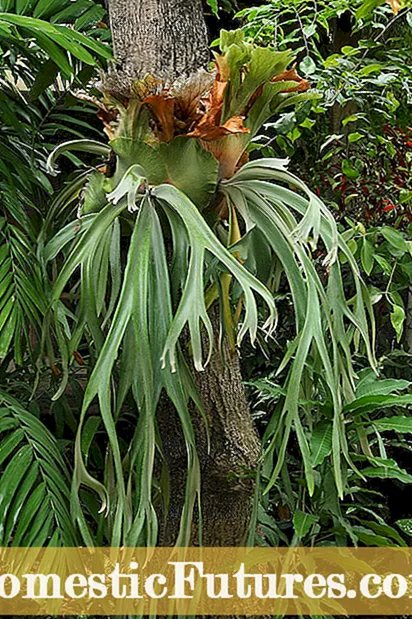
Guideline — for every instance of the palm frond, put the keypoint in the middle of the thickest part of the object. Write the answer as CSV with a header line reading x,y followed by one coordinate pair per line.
x,y
42,24
35,54
22,298
34,482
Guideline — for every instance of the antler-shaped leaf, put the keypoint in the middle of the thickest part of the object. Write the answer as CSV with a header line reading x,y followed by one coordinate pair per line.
x,y
320,310
192,308
84,145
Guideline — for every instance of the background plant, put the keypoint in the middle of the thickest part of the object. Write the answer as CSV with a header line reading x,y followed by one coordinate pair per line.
x,y
41,62
353,56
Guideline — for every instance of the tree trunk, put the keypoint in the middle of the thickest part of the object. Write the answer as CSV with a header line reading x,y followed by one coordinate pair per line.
x,y
167,38
164,38
227,486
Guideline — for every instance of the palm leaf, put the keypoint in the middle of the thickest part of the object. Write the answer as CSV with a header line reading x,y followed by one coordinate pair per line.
x,y
27,127
34,482
22,298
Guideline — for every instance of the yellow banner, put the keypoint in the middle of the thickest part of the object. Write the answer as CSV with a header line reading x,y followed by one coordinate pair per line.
x,y
206,581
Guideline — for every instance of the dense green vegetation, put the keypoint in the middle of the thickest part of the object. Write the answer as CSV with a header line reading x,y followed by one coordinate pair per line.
x,y
353,146
312,264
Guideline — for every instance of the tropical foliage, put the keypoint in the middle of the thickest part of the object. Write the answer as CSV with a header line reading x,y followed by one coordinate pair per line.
x,y
244,210
35,54
354,56
115,244
41,62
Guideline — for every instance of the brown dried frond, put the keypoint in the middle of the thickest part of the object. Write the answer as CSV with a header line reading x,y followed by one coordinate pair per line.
x,y
222,67
189,92
209,127
149,85
122,86
163,108
109,119
210,132
291,75
395,6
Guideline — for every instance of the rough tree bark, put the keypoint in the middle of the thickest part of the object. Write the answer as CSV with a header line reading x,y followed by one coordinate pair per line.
x,y
226,485
168,38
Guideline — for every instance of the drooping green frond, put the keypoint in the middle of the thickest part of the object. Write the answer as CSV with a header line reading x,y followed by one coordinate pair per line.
x,y
142,331
192,308
82,145
34,482
326,323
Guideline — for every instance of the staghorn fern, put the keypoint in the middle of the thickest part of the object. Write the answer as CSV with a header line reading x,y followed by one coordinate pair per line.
x,y
183,184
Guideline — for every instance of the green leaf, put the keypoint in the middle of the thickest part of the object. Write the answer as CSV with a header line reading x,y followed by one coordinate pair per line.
x,y
369,385
352,118
24,6
374,402
394,238
388,473
307,66
94,196
198,180
6,5
279,206
54,51
405,194
303,522
263,64
183,162
397,319
44,78
70,11
66,38
91,427
34,485
321,442
89,236
383,263
397,424
93,16
214,6
367,7
386,531
83,145
192,308
45,8
370,538
349,169
101,50
355,137
367,253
